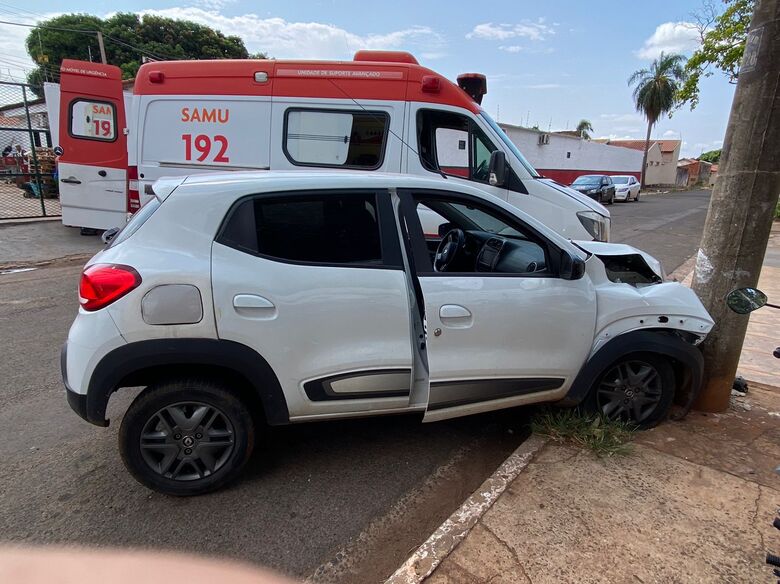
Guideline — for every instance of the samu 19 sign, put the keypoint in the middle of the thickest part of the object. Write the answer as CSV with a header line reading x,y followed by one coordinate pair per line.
x,y
92,119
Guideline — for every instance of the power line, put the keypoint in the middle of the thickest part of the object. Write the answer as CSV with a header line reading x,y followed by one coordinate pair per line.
x,y
91,32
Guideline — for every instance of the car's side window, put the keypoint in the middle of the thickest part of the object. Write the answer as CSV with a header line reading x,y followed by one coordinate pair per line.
x,y
482,239
326,228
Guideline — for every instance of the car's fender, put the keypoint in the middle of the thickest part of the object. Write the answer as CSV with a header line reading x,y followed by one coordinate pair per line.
x,y
145,362
660,342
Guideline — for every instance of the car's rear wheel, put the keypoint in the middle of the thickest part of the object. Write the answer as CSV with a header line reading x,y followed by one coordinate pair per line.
x,y
637,389
186,437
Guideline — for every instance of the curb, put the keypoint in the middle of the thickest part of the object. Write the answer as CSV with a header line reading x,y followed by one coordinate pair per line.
x,y
441,542
25,221
683,270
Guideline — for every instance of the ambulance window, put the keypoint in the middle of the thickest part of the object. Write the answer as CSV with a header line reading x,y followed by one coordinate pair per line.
x,y
452,144
342,138
92,120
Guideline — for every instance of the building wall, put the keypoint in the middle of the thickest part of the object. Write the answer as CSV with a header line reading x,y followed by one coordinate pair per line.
x,y
663,170
565,158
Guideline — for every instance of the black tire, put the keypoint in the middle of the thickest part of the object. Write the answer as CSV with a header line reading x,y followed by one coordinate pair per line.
x,y
212,421
618,397
636,199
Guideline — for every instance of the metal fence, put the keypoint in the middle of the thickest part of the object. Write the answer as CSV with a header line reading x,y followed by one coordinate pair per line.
x,y
28,181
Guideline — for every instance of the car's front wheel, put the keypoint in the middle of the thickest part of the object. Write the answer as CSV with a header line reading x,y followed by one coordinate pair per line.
x,y
186,437
637,389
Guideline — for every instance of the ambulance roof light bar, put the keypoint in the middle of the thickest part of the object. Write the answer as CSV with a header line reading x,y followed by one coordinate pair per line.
x,y
474,84
386,57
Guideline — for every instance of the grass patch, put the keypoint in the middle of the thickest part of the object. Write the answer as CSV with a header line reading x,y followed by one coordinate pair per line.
x,y
600,435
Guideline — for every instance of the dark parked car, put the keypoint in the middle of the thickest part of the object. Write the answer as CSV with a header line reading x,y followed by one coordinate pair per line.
x,y
596,186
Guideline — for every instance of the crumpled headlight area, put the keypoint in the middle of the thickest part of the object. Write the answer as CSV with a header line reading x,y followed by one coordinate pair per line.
x,y
629,269
596,224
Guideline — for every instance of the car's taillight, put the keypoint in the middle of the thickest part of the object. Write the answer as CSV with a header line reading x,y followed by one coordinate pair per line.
x,y
133,195
102,284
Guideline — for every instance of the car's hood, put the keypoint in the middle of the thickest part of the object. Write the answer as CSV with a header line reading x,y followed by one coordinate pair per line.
x,y
602,249
575,194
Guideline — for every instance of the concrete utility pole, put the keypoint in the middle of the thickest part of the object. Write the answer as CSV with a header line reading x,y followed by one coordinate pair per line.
x,y
743,202
102,48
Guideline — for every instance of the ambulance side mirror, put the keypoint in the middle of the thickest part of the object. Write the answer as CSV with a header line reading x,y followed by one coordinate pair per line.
x,y
497,169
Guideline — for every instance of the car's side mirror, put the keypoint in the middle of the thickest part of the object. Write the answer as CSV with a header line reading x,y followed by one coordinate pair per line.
x,y
497,169
745,300
109,234
572,266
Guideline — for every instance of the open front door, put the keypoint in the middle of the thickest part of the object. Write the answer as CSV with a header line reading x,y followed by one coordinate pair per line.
x,y
93,164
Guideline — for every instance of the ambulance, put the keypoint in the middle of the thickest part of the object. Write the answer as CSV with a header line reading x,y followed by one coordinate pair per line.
x,y
382,111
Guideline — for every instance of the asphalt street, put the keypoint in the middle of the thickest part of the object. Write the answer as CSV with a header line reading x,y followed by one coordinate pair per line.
x,y
342,501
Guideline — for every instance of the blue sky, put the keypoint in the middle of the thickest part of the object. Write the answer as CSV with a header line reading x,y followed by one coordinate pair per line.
x,y
548,63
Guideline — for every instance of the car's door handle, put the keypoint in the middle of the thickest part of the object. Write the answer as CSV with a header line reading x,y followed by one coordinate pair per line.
x,y
455,316
254,306
251,301
71,180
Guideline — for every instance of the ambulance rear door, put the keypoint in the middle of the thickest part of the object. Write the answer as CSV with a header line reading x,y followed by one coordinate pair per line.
x,y
93,163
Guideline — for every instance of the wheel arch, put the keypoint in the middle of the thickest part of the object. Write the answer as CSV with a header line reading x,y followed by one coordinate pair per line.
x,y
151,361
685,358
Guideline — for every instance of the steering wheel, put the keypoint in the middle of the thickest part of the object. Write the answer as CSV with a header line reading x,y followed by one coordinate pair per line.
x,y
448,249
481,172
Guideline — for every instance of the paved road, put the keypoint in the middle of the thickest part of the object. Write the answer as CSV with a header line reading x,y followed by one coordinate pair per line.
x,y
347,500
667,226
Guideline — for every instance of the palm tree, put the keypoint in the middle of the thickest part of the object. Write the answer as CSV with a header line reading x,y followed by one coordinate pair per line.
x,y
584,128
655,90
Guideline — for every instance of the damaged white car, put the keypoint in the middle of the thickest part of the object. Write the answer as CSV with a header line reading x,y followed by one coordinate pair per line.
x,y
272,298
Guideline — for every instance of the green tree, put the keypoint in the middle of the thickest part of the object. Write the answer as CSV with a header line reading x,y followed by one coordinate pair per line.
x,y
584,128
722,44
712,156
128,40
655,91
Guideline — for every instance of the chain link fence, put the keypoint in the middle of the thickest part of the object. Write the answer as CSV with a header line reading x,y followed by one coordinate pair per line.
x,y
28,181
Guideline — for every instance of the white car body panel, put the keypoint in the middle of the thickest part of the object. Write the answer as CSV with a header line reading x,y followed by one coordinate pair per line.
x,y
628,191
91,337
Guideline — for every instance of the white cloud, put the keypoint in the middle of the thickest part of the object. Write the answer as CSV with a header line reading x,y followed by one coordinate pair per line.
x,y
510,48
544,86
671,134
670,37
213,4
306,40
618,118
535,31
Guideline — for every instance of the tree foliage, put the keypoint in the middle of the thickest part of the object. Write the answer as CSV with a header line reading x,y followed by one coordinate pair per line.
x,y
723,39
655,91
584,128
128,40
712,156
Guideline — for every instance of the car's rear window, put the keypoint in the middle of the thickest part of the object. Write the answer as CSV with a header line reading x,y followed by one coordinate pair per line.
x,y
135,223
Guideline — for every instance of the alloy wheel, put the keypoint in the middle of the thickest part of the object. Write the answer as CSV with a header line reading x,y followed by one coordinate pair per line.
x,y
187,441
630,391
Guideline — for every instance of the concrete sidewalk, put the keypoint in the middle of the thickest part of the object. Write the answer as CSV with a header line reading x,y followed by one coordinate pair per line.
x,y
37,242
694,502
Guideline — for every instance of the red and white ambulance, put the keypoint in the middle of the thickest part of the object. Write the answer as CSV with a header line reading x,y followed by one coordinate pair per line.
x,y
382,111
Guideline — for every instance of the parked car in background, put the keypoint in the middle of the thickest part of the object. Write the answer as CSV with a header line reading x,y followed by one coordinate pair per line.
x,y
626,187
597,186
277,297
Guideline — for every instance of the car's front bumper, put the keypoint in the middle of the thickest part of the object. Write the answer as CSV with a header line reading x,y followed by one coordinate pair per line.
x,y
621,195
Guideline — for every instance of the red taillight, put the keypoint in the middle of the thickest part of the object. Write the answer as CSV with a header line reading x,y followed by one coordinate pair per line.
x,y
156,76
133,195
102,284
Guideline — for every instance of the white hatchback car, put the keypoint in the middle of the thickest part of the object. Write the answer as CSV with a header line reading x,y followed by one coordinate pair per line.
x,y
626,187
269,298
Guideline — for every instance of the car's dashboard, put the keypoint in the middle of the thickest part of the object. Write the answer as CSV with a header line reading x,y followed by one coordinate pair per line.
x,y
489,252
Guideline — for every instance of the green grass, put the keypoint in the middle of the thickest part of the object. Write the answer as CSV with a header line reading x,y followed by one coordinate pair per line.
x,y
777,210
601,436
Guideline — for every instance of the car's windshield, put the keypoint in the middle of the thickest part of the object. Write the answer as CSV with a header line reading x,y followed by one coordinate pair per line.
x,y
508,143
620,180
588,179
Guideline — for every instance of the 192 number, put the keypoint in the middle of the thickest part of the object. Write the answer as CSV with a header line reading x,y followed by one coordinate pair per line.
x,y
102,128
203,145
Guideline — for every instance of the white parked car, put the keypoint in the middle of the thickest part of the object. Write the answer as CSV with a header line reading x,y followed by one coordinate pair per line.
x,y
626,187
246,299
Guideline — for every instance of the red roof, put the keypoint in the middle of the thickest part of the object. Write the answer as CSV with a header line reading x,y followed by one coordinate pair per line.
x,y
664,145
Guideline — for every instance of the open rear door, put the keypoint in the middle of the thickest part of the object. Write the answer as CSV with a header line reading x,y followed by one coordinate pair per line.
x,y
93,163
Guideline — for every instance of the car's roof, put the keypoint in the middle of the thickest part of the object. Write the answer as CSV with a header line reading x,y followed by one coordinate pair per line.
x,y
273,180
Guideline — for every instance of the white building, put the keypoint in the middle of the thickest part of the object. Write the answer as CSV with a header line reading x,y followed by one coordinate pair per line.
x,y
564,157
